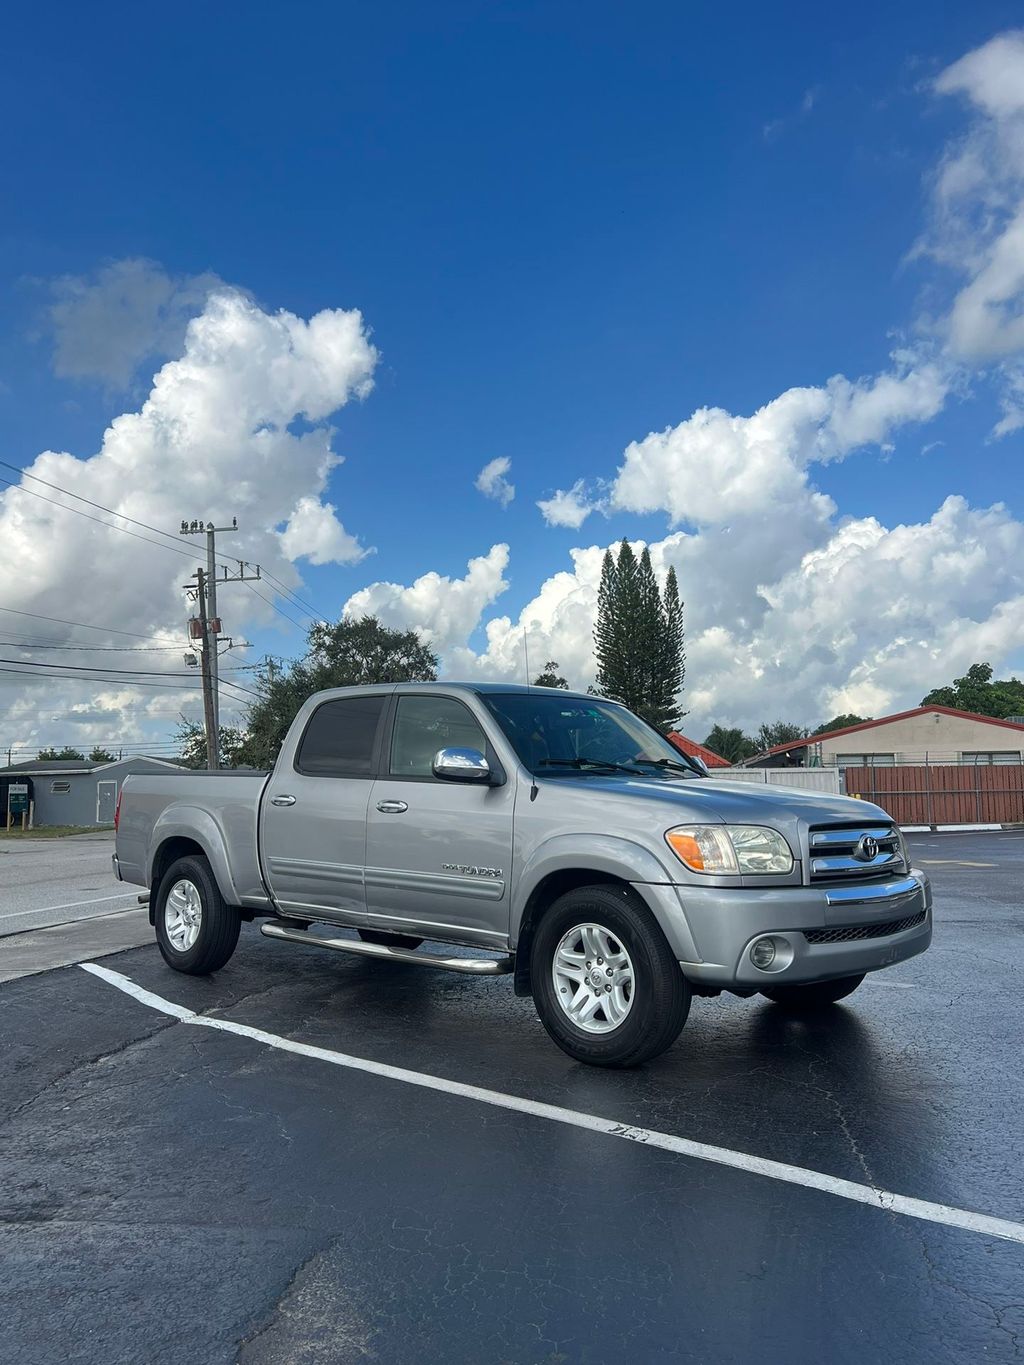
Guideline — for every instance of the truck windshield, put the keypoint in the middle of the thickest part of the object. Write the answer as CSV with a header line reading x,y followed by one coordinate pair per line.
x,y
553,733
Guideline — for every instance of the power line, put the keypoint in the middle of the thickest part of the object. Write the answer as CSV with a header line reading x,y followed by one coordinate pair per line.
x,y
99,507
146,526
99,520
82,625
279,610
24,642
99,668
112,682
305,606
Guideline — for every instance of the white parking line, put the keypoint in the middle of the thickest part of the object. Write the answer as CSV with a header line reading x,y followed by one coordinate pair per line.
x,y
649,1137
69,905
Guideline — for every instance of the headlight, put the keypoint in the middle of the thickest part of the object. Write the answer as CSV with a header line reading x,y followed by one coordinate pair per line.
x,y
732,849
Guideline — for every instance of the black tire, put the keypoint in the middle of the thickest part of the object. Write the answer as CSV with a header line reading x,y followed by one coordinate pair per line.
x,y
219,924
818,995
387,940
660,995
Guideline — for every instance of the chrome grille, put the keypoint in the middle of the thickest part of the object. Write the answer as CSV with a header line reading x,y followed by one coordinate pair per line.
x,y
837,852
848,935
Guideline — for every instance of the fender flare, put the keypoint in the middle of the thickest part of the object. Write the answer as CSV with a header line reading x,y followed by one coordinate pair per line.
x,y
614,856
196,824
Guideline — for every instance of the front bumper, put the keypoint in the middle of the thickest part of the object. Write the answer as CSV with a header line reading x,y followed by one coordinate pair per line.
x,y
725,922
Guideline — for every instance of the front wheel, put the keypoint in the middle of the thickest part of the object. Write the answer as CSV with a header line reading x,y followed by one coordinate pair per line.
x,y
195,931
818,995
606,985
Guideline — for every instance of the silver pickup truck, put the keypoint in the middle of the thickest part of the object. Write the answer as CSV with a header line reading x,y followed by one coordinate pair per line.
x,y
554,832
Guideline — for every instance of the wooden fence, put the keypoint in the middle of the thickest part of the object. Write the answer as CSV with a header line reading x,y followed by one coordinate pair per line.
x,y
943,794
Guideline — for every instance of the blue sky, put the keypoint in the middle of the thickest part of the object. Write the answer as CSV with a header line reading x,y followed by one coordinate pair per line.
x,y
565,226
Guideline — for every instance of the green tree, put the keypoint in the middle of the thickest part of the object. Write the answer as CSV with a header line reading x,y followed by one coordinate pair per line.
x,y
348,654
191,737
977,691
55,756
673,663
731,744
638,638
840,723
781,732
550,677
99,755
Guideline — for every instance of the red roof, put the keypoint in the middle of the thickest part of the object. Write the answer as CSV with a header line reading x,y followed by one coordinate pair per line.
x,y
887,720
695,750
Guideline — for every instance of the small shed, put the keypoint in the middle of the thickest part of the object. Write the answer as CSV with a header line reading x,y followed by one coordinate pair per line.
x,y
75,791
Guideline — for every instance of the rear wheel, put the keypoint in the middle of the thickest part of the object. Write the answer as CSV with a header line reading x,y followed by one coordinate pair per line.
x,y
195,930
606,985
387,940
818,995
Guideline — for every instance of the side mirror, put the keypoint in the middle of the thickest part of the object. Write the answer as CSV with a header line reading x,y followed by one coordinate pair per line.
x,y
696,758
461,765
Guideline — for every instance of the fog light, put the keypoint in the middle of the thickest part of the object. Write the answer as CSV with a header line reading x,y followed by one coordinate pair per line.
x,y
762,953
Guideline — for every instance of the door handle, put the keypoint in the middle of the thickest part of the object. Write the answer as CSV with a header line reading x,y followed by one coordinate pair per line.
x,y
392,807
282,800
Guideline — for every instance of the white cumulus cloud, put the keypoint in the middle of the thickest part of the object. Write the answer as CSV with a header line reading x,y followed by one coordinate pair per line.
x,y
314,532
444,610
976,225
569,506
216,437
106,324
492,483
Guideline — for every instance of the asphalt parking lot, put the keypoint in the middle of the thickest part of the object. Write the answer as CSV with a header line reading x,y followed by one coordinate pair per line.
x,y
173,1193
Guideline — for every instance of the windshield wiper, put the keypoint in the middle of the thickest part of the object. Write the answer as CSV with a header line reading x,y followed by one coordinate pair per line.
x,y
588,765
669,763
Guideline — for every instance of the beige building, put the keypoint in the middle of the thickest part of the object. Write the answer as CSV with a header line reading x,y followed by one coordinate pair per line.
x,y
928,734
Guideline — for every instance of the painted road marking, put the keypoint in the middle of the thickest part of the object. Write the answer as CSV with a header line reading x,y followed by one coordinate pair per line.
x,y
649,1137
956,862
70,905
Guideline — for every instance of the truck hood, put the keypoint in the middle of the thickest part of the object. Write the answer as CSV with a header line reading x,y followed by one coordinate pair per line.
x,y
712,800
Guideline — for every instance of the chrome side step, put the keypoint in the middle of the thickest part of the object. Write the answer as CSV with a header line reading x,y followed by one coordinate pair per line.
x,y
475,966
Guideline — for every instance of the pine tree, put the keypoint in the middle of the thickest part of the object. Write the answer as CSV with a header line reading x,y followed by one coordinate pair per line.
x,y
638,638
648,642
673,664
608,642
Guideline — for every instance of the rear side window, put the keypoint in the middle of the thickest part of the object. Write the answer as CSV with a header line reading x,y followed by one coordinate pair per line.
x,y
340,738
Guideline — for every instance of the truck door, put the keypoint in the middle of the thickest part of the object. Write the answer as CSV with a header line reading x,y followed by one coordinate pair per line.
x,y
313,824
438,853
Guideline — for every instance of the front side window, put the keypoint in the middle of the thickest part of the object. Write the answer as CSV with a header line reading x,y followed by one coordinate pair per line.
x,y
340,738
580,735
423,725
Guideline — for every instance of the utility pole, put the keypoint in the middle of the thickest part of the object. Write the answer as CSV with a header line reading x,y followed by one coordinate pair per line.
x,y
209,709
211,606
208,614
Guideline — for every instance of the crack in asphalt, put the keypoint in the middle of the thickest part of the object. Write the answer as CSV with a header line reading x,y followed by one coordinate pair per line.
x,y
158,1027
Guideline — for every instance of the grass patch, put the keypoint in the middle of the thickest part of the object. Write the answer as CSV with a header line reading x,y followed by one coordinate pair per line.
x,y
54,831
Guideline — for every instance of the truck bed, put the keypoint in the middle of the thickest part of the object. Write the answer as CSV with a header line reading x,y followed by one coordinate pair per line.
x,y
222,807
